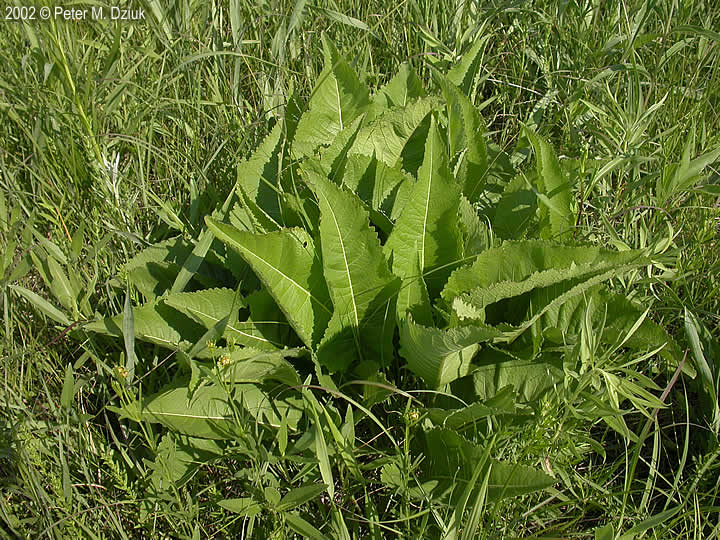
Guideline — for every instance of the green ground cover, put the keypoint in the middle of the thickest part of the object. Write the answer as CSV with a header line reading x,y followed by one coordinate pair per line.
x,y
431,269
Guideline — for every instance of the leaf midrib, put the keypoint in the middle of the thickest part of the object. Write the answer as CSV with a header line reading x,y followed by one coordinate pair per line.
x,y
278,271
345,261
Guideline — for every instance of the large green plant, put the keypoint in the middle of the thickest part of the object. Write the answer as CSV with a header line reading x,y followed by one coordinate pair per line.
x,y
375,235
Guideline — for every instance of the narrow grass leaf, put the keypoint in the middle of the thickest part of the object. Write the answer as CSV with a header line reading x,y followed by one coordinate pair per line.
x,y
68,389
43,305
128,330
302,527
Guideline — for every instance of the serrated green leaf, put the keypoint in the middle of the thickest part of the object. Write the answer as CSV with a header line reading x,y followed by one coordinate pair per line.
x,y
384,189
154,269
429,219
248,365
404,87
386,136
155,322
361,285
542,300
337,99
413,296
286,263
463,73
441,356
210,412
475,233
191,265
518,267
553,184
258,177
261,220
466,129
216,308
333,159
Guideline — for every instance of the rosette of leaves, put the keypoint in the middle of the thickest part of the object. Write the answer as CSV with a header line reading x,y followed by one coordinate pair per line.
x,y
380,229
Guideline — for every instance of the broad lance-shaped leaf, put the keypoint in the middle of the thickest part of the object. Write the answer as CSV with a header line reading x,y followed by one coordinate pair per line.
x,y
177,457
210,412
258,176
476,234
494,369
154,269
386,136
338,98
428,222
516,210
211,307
361,285
463,73
155,322
549,286
541,302
450,461
413,297
286,263
404,87
555,196
384,189
334,158
518,267
258,181
441,356
248,365
466,129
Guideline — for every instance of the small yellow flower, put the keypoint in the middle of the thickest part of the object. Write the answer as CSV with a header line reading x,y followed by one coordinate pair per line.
x,y
121,372
224,361
210,344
